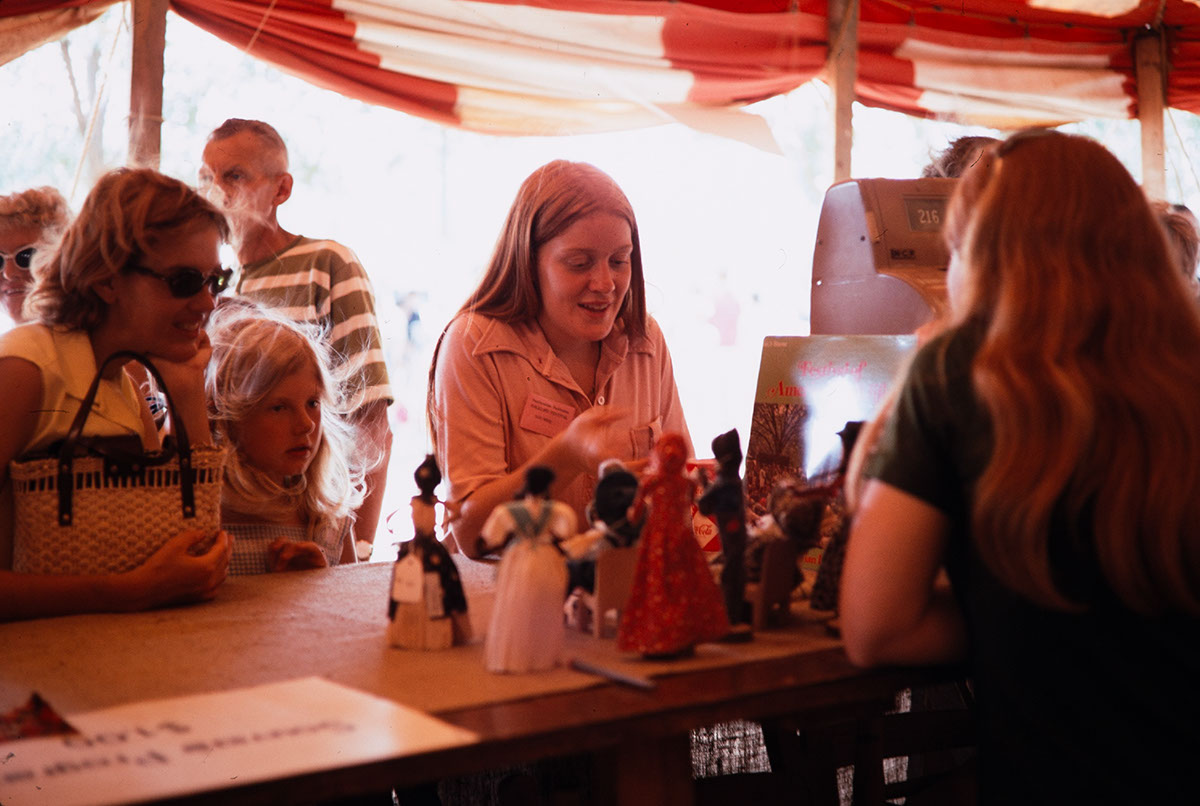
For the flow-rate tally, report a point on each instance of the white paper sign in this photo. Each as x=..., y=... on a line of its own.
x=407, y=575
x=163, y=748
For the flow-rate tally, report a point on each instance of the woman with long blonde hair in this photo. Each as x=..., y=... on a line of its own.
x=1045, y=448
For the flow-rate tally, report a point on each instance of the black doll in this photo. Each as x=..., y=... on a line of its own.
x=610, y=528
x=427, y=608
x=725, y=503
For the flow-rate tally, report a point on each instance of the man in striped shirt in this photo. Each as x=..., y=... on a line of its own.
x=245, y=171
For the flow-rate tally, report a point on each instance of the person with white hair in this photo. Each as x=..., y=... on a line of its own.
x=31, y=222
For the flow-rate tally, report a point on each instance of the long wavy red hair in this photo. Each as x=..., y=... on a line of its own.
x=1089, y=369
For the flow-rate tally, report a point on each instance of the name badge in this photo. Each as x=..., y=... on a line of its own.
x=545, y=416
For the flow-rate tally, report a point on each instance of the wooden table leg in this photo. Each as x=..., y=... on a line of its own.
x=868, y=764
x=646, y=771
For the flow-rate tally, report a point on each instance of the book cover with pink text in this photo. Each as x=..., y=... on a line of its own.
x=809, y=388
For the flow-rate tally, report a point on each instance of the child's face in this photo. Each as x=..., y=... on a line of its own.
x=280, y=435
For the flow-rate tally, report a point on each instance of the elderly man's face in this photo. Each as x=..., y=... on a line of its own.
x=241, y=177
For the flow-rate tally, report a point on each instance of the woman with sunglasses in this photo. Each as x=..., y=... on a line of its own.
x=137, y=270
x=1045, y=449
x=31, y=222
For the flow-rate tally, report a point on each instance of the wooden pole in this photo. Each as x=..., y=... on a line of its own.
x=1151, y=91
x=146, y=83
x=841, y=68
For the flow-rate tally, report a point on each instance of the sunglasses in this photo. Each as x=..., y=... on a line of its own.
x=188, y=282
x=23, y=259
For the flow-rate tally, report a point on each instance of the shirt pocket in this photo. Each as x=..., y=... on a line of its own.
x=642, y=438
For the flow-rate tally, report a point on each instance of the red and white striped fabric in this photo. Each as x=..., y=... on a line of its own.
x=1011, y=63
x=538, y=68
x=27, y=24
x=569, y=66
x=1001, y=64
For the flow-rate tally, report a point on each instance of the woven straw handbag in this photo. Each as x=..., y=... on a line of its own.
x=101, y=505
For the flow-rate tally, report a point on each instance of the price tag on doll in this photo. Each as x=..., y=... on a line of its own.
x=407, y=579
x=544, y=416
x=433, y=595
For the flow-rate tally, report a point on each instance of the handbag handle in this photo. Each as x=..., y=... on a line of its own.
x=67, y=452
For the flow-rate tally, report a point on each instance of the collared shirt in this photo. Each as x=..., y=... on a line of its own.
x=252, y=541
x=321, y=282
x=493, y=379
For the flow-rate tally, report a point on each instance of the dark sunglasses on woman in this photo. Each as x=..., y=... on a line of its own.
x=188, y=282
x=23, y=259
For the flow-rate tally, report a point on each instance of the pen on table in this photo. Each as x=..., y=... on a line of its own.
x=612, y=674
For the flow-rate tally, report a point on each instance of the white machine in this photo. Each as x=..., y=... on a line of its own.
x=879, y=266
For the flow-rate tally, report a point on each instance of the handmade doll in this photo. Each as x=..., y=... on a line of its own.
x=725, y=503
x=427, y=608
x=608, y=513
x=829, y=573
x=675, y=603
x=610, y=528
x=794, y=514
x=526, y=629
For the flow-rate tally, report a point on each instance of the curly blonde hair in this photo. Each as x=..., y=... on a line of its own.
x=253, y=349
x=41, y=207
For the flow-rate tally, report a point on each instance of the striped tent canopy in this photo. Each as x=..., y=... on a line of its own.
x=572, y=66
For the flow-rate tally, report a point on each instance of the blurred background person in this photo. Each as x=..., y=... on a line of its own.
x=319, y=281
x=31, y=222
x=961, y=153
x=1183, y=235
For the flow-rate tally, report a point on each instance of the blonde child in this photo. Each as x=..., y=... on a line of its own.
x=290, y=485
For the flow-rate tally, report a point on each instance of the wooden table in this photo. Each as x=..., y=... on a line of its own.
x=332, y=623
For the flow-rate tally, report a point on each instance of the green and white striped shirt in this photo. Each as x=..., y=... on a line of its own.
x=321, y=282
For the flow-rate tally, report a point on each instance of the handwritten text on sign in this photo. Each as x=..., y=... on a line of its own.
x=166, y=748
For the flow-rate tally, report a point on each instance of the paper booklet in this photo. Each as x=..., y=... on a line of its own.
x=166, y=748
x=809, y=387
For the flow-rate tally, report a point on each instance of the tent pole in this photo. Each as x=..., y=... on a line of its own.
x=1151, y=92
x=146, y=90
x=841, y=68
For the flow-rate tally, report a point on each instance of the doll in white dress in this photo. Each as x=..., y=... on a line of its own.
x=526, y=629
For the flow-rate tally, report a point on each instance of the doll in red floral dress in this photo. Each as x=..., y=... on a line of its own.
x=675, y=603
